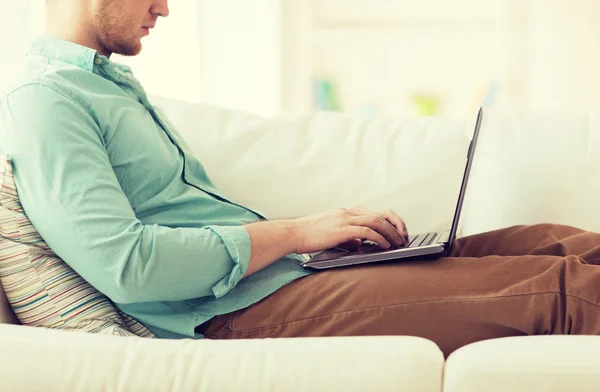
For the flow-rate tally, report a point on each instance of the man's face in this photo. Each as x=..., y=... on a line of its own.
x=120, y=25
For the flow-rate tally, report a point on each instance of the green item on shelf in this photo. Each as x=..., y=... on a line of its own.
x=426, y=105
x=325, y=95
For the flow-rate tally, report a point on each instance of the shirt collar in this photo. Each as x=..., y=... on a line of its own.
x=67, y=52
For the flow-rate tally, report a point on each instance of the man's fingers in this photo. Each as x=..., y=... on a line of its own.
x=395, y=220
x=365, y=232
x=394, y=230
x=351, y=245
x=390, y=216
x=381, y=226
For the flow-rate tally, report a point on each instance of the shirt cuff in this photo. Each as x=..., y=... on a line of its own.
x=238, y=244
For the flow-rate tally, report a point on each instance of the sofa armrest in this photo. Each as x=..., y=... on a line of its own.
x=36, y=359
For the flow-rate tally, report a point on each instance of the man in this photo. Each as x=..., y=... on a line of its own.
x=116, y=193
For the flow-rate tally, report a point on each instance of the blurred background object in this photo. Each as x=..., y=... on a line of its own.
x=426, y=105
x=372, y=57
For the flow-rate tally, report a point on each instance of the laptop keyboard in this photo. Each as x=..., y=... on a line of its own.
x=413, y=241
x=421, y=240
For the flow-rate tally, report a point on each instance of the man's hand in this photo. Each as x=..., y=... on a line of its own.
x=347, y=228
x=271, y=240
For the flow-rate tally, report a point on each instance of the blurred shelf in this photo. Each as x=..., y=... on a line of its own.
x=388, y=33
x=400, y=25
x=418, y=11
x=381, y=53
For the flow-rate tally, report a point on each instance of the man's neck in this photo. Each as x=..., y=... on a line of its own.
x=69, y=24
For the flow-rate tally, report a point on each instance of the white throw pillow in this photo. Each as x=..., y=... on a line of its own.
x=535, y=168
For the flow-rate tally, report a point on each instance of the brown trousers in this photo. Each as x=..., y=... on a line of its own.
x=524, y=280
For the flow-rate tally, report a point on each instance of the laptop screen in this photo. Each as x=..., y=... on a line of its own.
x=463, y=187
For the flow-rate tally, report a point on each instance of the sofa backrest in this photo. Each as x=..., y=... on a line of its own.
x=297, y=165
x=529, y=167
x=535, y=168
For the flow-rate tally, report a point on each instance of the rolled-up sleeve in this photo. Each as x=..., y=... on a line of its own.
x=238, y=245
x=71, y=194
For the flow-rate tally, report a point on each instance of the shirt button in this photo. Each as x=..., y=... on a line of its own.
x=98, y=61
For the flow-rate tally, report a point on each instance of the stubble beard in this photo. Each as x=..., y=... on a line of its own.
x=113, y=31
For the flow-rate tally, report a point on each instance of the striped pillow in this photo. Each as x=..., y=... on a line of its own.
x=41, y=288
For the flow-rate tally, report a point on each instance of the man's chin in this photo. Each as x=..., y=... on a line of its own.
x=129, y=50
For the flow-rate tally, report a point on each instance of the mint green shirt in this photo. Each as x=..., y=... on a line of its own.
x=114, y=190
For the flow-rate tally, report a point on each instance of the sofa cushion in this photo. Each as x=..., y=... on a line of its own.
x=51, y=360
x=523, y=364
x=534, y=168
x=41, y=288
x=296, y=165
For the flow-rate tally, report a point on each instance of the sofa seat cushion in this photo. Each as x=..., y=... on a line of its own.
x=40, y=287
x=523, y=364
x=104, y=363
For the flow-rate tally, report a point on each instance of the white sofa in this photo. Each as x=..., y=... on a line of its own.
x=529, y=168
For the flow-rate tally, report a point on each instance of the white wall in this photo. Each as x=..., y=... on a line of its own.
x=20, y=21
x=222, y=52
x=240, y=51
x=564, y=50
x=170, y=61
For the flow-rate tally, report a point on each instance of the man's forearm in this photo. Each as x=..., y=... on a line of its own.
x=271, y=240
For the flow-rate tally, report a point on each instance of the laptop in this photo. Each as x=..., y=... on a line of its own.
x=425, y=245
